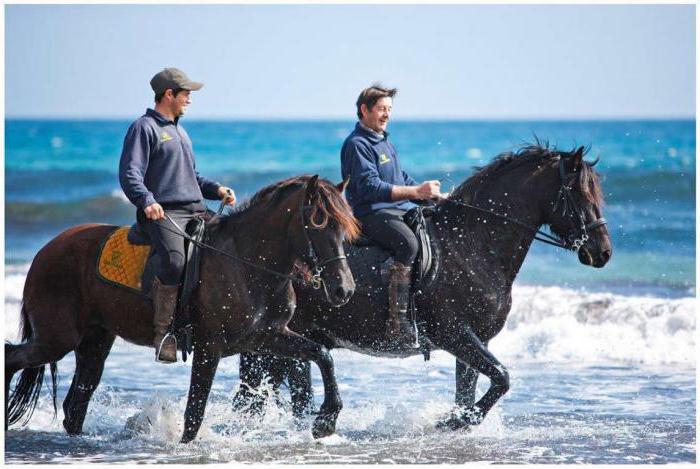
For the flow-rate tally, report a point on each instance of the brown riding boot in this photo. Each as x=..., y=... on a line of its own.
x=164, y=302
x=398, y=326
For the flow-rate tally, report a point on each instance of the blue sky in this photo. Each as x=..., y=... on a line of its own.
x=310, y=61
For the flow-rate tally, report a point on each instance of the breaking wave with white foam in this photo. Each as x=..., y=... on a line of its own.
x=564, y=325
x=548, y=324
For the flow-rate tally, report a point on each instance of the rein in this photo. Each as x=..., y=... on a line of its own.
x=545, y=237
x=180, y=232
x=575, y=242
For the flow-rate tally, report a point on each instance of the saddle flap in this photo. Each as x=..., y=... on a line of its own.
x=121, y=262
x=416, y=220
x=195, y=228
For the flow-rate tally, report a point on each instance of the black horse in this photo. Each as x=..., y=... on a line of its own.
x=243, y=303
x=484, y=230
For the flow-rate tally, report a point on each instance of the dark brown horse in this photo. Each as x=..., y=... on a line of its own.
x=484, y=231
x=239, y=306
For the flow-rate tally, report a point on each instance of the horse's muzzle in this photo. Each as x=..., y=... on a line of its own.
x=342, y=295
x=338, y=294
x=593, y=258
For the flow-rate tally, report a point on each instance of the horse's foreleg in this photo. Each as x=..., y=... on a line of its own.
x=465, y=384
x=204, y=366
x=252, y=370
x=90, y=356
x=465, y=395
x=292, y=345
x=471, y=351
x=300, y=389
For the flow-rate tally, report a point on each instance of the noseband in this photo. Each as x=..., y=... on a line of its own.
x=316, y=265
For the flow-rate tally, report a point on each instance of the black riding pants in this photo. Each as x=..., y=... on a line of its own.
x=167, y=240
x=387, y=228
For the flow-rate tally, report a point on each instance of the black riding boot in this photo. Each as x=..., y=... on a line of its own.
x=398, y=326
x=164, y=302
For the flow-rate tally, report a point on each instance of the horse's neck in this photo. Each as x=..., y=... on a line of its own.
x=261, y=239
x=486, y=245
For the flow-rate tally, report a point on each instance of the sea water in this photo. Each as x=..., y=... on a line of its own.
x=602, y=361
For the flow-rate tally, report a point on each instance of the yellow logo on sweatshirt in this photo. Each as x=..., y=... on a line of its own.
x=164, y=137
x=383, y=159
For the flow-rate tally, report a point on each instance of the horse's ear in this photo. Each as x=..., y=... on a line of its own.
x=578, y=158
x=312, y=187
x=341, y=187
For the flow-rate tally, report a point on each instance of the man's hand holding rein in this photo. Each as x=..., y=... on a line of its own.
x=227, y=195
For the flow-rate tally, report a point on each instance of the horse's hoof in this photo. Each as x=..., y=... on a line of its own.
x=324, y=425
x=451, y=423
x=186, y=439
x=71, y=429
x=461, y=418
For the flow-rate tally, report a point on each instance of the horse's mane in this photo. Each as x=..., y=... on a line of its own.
x=328, y=205
x=536, y=154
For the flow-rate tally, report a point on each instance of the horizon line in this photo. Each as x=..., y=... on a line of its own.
x=340, y=119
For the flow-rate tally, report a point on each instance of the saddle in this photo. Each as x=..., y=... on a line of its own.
x=370, y=262
x=127, y=260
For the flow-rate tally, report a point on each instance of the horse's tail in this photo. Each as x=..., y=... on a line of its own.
x=25, y=396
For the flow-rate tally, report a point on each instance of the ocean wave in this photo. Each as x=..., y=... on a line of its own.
x=548, y=324
x=564, y=325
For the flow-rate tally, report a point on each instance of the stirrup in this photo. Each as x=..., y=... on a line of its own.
x=160, y=348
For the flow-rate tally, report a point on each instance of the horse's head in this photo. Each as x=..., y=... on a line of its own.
x=575, y=215
x=325, y=221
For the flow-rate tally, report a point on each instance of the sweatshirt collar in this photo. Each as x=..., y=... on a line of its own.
x=160, y=117
x=372, y=136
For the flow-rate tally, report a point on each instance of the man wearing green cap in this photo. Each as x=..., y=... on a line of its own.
x=157, y=173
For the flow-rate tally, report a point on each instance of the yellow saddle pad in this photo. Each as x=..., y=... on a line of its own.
x=121, y=262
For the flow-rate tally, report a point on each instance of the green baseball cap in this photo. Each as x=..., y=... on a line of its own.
x=172, y=78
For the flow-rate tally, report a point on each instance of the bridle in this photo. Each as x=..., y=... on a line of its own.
x=578, y=234
x=316, y=265
x=570, y=207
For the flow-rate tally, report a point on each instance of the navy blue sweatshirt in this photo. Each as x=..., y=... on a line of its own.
x=157, y=164
x=371, y=162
